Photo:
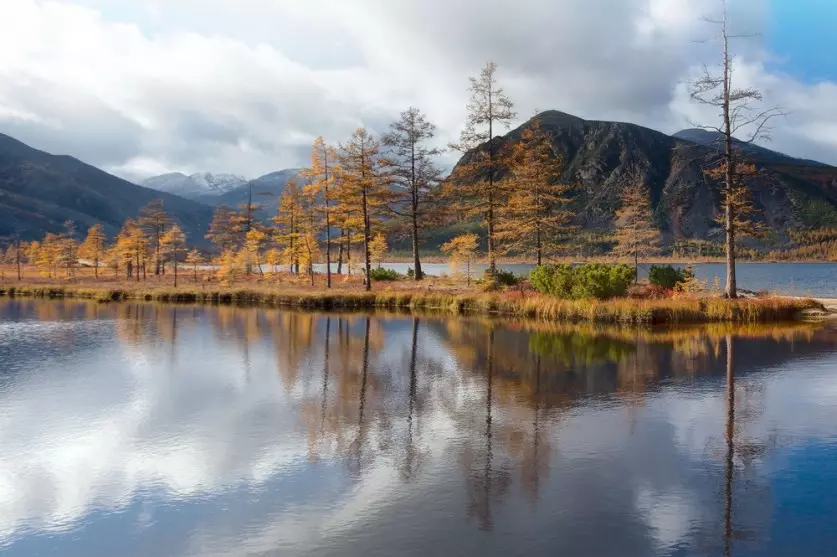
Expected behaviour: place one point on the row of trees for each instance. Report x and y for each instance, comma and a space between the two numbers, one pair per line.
350, 190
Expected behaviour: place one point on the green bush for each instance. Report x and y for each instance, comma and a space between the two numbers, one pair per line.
498, 280
383, 274
667, 276
592, 280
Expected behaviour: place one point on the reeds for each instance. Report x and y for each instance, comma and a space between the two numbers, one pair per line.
534, 306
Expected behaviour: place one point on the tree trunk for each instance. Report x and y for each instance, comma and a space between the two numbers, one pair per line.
328, 227
729, 217
175, 269
340, 252
17, 260
418, 275
367, 262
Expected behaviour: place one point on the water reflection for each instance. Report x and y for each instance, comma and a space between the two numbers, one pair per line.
229, 431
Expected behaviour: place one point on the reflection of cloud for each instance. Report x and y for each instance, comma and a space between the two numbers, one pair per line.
79, 435
112, 420
668, 515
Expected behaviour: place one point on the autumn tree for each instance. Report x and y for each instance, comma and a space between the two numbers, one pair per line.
322, 189
173, 243
535, 218
68, 248
288, 223
411, 167
364, 186
132, 245
462, 249
477, 187
194, 259
741, 114
93, 247
378, 248
254, 244
636, 234
225, 229
153, 220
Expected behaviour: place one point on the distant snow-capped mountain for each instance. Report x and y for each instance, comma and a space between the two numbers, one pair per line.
197, 185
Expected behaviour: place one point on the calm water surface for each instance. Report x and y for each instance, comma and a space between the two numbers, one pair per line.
143, 430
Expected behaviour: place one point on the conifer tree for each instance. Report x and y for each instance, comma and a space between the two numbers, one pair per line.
475, 179
174, 242
194, 259
636, 234
225, 229
153, 220
740, 114
378, 248
365, 189
534, 221
322, 188
411, 166
462, 249
93, 247
288, 223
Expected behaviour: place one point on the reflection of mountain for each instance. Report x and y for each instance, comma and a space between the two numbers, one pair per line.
244, 431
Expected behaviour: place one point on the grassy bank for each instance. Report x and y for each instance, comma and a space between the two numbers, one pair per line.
530, 306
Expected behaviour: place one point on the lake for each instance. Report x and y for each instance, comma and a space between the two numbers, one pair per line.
146, 430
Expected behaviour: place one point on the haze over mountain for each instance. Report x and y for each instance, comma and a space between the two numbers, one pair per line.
203, 184
39, 191
598, 156
265, 191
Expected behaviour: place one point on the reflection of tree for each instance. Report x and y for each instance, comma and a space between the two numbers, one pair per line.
485, 483
412, 458
355, 457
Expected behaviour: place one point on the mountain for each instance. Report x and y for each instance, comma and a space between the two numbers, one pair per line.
39, 191
204, 184
599, 155
265, 191
756, 153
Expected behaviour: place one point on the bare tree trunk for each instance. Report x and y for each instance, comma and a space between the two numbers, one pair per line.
367, 262
340, 251
17, 260
328, 226
729, 158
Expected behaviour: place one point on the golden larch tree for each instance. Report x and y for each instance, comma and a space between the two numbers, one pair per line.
93, 247
173, 243
475, 181
636, 234
365, 186
154, 220
288, 223
462, 249
410, 163
194, 259
322, 188
535, 219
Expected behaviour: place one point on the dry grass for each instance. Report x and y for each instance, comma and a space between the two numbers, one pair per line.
437, 295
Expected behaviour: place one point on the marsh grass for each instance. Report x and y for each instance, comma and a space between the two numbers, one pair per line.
534, 306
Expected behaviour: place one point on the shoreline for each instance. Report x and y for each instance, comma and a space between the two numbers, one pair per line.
531, 306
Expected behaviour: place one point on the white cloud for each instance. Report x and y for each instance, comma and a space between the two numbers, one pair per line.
140, 86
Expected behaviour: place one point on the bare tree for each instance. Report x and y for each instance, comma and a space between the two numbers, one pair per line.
741, 114
411, 167
478, 187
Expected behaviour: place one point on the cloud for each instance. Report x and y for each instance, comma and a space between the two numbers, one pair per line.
138, 86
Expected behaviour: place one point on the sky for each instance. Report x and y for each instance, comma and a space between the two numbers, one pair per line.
144, 87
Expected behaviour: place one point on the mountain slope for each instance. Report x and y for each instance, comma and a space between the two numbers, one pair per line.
39, 191
204, 184
265, 190
715, 140
598, 156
